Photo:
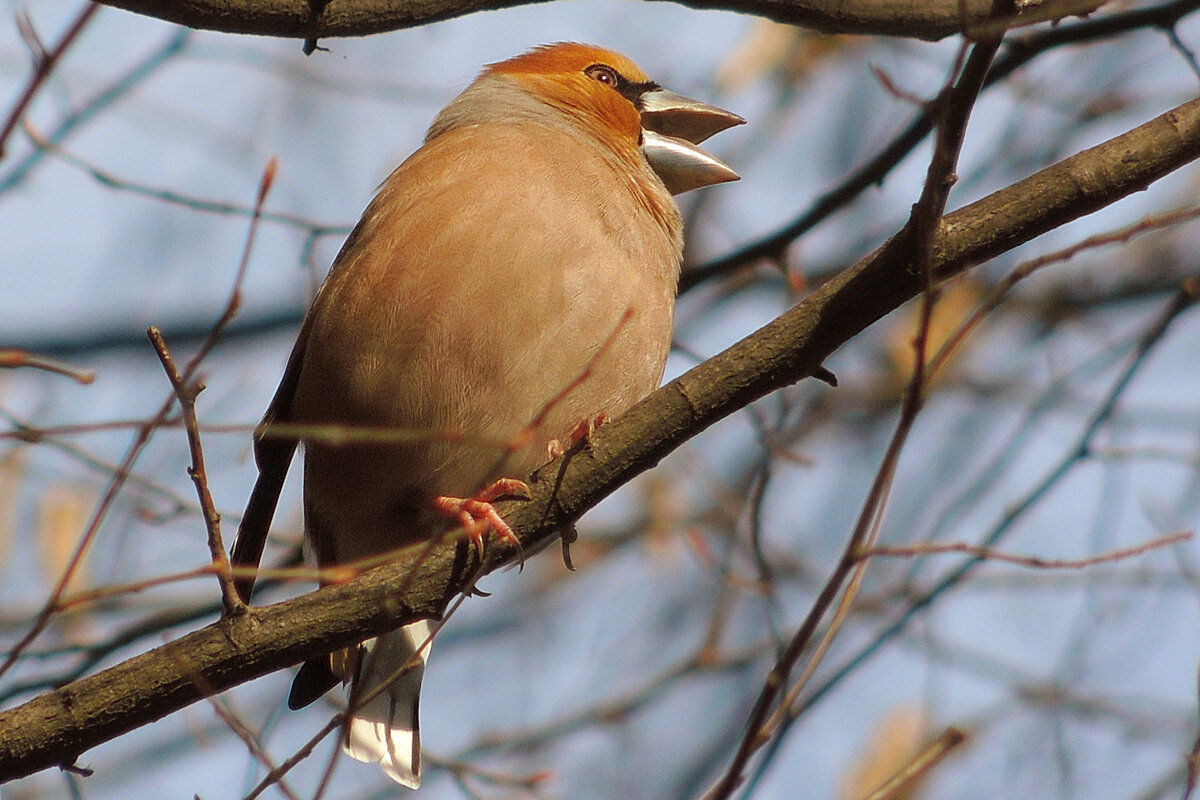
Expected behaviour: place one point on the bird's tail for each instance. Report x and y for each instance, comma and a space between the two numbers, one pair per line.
385, 728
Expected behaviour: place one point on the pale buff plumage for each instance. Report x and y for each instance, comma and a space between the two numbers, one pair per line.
519, 267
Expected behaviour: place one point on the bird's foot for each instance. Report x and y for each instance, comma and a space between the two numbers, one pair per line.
477, 515
581, 433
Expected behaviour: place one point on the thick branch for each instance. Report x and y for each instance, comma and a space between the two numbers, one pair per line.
59, 726
312, 19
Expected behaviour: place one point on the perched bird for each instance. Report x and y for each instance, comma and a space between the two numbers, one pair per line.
512, 282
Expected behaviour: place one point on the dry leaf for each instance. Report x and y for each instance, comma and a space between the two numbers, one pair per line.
955, 302
892, 745
63, 511
771, 49
12, 470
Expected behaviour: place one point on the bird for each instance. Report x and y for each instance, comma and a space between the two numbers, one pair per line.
511, 284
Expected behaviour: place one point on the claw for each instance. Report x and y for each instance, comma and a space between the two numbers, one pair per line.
568, 535
477, 515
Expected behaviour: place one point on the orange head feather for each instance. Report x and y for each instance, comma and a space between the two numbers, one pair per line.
588, 82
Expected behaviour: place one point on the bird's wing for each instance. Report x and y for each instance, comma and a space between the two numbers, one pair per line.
273, 455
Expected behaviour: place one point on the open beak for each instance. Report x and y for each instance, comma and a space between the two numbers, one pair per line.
672, 126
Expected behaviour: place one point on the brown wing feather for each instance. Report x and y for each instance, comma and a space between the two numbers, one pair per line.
273, 456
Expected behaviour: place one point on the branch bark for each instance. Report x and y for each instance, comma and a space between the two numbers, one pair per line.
57, 727
317, 19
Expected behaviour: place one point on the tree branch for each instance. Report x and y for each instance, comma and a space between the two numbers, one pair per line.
313, 19
55, 728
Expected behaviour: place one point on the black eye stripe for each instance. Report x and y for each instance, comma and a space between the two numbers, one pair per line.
633, 91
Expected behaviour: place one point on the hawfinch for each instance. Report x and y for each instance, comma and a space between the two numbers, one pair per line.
512, 281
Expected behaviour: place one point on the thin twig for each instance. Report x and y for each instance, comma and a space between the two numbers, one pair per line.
44, 62
235, 293
186, 390
998, 292
90, 109
1035, 562
774, 245
955, 103
253, 746
460, 770
115, 484
186, 394
1187, 296
1193, 758
14, 357
358, 699
275, 775
111, 180
899, 784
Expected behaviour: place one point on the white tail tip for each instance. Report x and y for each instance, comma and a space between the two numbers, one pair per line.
386, 729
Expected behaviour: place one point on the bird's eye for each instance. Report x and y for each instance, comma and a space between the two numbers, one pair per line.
605, 75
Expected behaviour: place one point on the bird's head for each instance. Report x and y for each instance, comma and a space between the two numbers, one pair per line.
610, 95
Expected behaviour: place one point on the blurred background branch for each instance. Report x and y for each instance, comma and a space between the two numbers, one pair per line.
932, 19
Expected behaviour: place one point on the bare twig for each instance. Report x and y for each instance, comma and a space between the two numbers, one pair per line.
998, 292
112, 180
930, 19
130, 79
1193, 758
773, 246
44, 62
358, 699
11, 358
186, 390
1077, 451
186, 394
461, 770
253, 746
1035, 562
275, 775
116, 482
900, 783
956, 102
235, 292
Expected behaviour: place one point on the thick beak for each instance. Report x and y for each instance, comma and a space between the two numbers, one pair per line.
675, 115
672, 126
